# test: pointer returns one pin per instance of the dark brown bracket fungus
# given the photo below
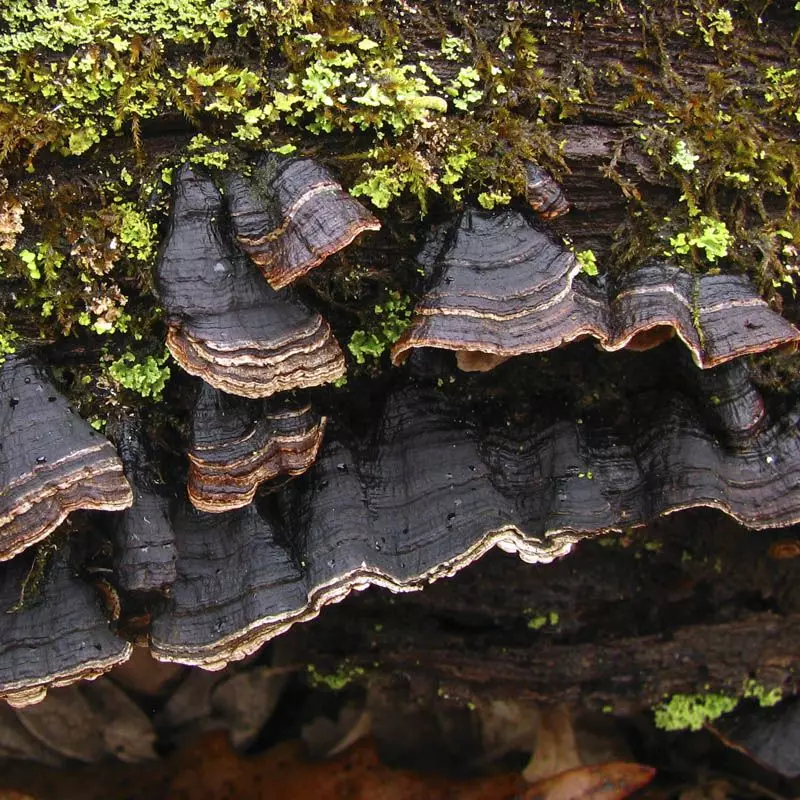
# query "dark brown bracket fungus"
(144, 558)
(504, 288)
(291, 215)
(225, 324)
(543, 194)
(55, 639)
(432, 488)
(51, 461)
(239, 444)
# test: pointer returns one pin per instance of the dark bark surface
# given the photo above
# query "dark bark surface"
(691, 602)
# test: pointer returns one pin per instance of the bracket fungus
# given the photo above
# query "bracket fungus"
(543, 194)
(504, 288)
(432, 486)
(144, 542)
(55, 639)
(291, 215)
(51, 461)
(226, 325)
(239, 444)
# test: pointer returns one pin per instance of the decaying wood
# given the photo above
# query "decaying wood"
(690, 603)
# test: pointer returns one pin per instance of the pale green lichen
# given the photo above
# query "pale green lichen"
(588, 261)
(693, 711)
(539, 621)
(344, 675)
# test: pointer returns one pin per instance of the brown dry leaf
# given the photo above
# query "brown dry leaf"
(213, 771)
(614, 781)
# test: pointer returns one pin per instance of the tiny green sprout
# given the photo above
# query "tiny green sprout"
(392, 317)
(718, 21)
(712, 237)
(683, 156)
(588, 262)
(146, 378)
(136, 232)
(29, 259)
(381, 186)
(452, 48)
(8, 338)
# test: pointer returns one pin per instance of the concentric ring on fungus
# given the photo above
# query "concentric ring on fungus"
(51, 461)
(226, 325)
(430, 488)
(239, 444)
(291, 214)
(60, 637)
(505, 287)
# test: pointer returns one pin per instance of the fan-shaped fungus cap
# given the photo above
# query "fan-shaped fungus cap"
(144, 557)
(505, 288)
(55, 639)
(291, 215)
(235, 579)
(239, 444)
(718, 317)
(543, 194)
(388, 509)
(770, 736)
(225, 324)
(51, 461)
(733, 406)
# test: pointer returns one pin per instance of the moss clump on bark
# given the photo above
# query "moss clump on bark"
(419, 111)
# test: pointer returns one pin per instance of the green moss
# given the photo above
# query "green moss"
(692, 711)
(344, 675)
(146, 377)
(391, 318)
(416, 111)
(588, 261)
(765, 697)
(539, 621)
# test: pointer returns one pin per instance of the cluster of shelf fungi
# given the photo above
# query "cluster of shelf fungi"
(285, 510)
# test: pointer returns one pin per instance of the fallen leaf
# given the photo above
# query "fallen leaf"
(614, 781)
(213, 771)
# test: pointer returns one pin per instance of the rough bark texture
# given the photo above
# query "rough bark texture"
(623, 622)
(702, 602)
